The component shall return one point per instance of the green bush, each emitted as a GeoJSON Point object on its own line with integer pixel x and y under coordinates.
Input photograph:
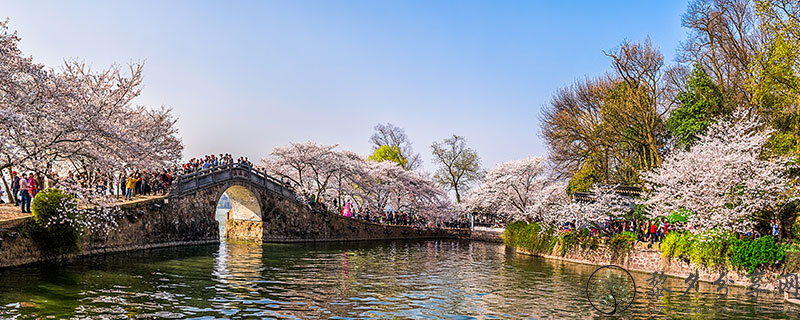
{"type": "Point", "coordinates": [796, 228]}
{"type": "Point", "coordinates": [750, 254]}
{"type": "Point", "coordinates": [622, 242]}
{"type": "Point", "coordinates": [568, 240]}
{"type": "Point", "coordinates": [534, 237]}
{"type": "Point", "coordinates": [669, 244]}
{"type": "Point", "coordinates": [710, 250]}
{"type": "Point", "coordinates": [590, 243]}
{"type": "Point", "coordinates": [723, 249]}
{"type": "Point", "coordinates": [54, 229]}
{"type": "Point", "coordinates": [684, 245]}
{"type": "Point", "coordinates": [792, 247]}
{"type": "Point", "coordinates": [680, 215]}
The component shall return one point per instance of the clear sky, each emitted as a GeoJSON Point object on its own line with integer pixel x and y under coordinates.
{"type": "Point", "coordinates": [244, 77]}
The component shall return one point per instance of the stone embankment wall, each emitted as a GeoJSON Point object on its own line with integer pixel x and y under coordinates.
{"type": "Point", "coordinates": [189, 220]}
{"type": "Point", "coordinates": [143, 225]}
{"type": "Point", "coordinates": [648, 260]}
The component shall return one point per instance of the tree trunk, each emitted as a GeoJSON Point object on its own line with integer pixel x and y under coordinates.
{"type": "Point", "coordinates": [11, 197]}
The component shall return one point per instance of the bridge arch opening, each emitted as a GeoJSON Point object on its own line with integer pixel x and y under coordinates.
{"type": "Point", "coordinates": [237, 203]}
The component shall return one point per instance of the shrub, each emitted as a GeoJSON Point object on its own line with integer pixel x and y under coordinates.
{"type": "Point", "coordinates": [54, 229]}
{"type": "Point", "coordinates": [710, 249]}
{"type": "Point", "coordinates": [718, 249]}
{"type": "Point", "coordinates": [533, 237]}
{"type": "Point", "coordinates": [669, 244]}
{"type": "Point", "coordinates": [568, 240]}
{"type": "Point", "coordinates": [590, 243]}
{"type": "Point", "coordinates": [750, 254]}
{"type": "Point", "coordinates": [796, 228]}
{"type": "Point", "coordinates": [622, 242]}
{"type": "Point", "coordinates": [680, 215]}
{"type": "Point", "coordinates": [793, 247]}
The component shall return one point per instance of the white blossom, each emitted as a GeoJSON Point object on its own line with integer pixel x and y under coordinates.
{"type": "Point", "coordinates": [316, 169]}
{"type": "Point", "coordinates": [724, 179]}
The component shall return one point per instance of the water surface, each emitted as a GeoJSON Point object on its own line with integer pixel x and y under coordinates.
{"type": "Point", "coordinates": [382, 280]}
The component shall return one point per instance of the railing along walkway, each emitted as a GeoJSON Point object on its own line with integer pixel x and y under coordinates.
{"type": "Point", "coordinates": [192, 182]}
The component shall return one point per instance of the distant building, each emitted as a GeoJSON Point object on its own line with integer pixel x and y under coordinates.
{"type": "Point", "coordinates": [629, 193]}
{"type": "Point", "coordinates": [224, 202]}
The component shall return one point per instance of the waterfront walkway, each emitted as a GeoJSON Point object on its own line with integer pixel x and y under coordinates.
{"type": "Point", "coordinates": [9, 212]}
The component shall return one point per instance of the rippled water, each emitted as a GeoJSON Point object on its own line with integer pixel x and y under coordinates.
{"type": "Point", "coordinates": [385, 280]}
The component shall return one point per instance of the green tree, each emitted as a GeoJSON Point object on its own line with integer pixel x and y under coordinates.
{"type": "Point", "coordinates": [459, 165]}
{"type": "Point", "coordinates": [587, 176]}
{"type": "Point", "coordinates": [776, 73]}
{"type": "Point", "coordinates": [699, 103]}
{"type": "Point", "coordinates": [389, 153]}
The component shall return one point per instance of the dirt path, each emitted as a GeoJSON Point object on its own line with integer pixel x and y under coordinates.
{"type": "Point", "coordinates": [10, 212]}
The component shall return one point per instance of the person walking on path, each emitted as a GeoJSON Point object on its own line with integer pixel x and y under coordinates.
{"type": "Point", "coordinates": [14, 188]}
{"type": "Point", "coordinates": [130, 186]}
{"type": "Point", "coordinates": [33, 185]}
{"type": "Point", "coordinates": [24, 194]}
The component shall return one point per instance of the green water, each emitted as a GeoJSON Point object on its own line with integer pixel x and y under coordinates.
{"type": "Point", "coordinates": [385, 280]}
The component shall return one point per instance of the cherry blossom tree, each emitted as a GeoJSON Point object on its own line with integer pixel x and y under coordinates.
{"type": "Point", "coordinates": [316, 169]}
{"type": "Point", "coordinates": [604, 203]}
{"type": "Point", "coordinates": [724, 180]}
{"type": "Point", "coordinates": [308, 166]}
{"type": "Point", "coordinates": [513, 190]}
{"type": "Point", "coordinates": [527, 189]}
{"type": "Point", "coordinates": [78, 119]}
{"type": "Point", "coordinates": [84, 118]}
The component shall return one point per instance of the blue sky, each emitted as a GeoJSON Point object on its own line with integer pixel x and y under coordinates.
{"type": "Point", "coordinates": [244, 77]}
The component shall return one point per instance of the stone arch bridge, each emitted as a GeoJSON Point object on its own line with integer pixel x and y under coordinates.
{"type": "Point", "coordinates": [264, 210]}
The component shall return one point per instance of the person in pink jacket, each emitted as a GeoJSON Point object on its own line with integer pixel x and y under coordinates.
{"type": "Point", "coordinates": [34, 185]}
{"type": "Point", "coordinates": [347, 209]}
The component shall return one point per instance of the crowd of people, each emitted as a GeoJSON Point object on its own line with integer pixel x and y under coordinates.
{"type": "Point", "coordinates": [209, 161]}
{"type": "Point", "coordinates": [127, 185]}
{"type": "Point", "coordinates": [24, 188]}
{"type": "Point", "coordinates": [649, 231]}
{"type": "Point", "coordinates": [159, 182]}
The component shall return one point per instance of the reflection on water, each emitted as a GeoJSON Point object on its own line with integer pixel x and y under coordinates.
{"type": "Point", "coordinates": [220, 215]}
{"type": "Point", "coordinates": [387, 280]}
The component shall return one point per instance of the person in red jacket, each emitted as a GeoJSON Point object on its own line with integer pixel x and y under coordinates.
{"type": "Point", "coordinates": [653, 231]}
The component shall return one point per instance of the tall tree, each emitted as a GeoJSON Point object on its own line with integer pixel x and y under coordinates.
{"type": "Point", "coordinates": [77, 117]}
{"type": "Point", "coordinates": [395, 137]}
{"type": "Point", "coordinates": [572, 126]}
{"type": "Point", "coordinates": [635, 108]}
{"type": "Point", "coordinates": [459, 165]}
{"type": "Point", "coordinates": [776, 73]}
{"type": "Point", "coordinates": [389, 153]}
{"type": "Point", "coordinates": [699, 103]}
{"type": "Point", "coordinates": [606, 130]}
{"type": "Point", "coordinates": [723, 38]}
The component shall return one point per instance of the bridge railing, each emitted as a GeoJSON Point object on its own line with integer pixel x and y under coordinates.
{"type": "Point", "coordinates": [219, 174]}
